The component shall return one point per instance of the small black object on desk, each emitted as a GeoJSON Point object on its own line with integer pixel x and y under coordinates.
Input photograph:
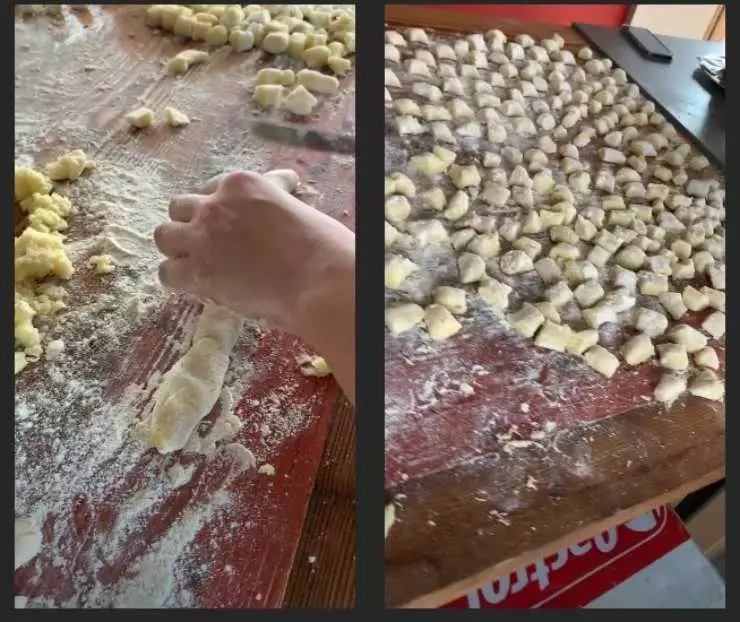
{"type": "Point", "coordinates": [679, 88]}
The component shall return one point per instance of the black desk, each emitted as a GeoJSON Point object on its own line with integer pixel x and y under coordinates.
{"type": "Point", "coordinates": [685, 96]}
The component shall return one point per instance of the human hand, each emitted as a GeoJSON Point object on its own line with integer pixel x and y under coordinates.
{"type": "Point", "coordinates": [250, 246]}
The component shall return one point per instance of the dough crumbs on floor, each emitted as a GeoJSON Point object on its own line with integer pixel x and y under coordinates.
{"type": "Point", "coordinates": [524, 407]}
{"type": "Point", "coordinates": [431, 523]}
{"type": "Point", "coordinates": [500, 517]}
{"type": "Point", "coordinates": [312, 559]}
{"type": "Point", "coordinates": [266, 469]}
{"type": "Point", "coordinates": [466, 389]}
{"type": "Point", "coordinates": [531, 483]}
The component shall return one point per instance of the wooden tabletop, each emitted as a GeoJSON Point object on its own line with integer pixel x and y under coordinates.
{"type": "Point", "coordinates": [460, 526]}
{"type": "Point", "coordinates": [88, 72]}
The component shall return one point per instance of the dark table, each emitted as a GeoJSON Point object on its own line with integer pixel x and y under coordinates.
{"type": "Point", "coordinates": [686, 96]}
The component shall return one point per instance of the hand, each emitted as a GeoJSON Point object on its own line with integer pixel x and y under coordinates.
{"type": "Point", "coordinates": [250, 246]}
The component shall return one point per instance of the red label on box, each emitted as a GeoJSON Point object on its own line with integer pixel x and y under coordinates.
{"type": "Point", "coordinates": [575, 576]}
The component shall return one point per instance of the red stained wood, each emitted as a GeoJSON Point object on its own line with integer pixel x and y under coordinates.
{"type": "Point", "coordinates": [465, 513]}
{"type": "Point", "coordinates": [262, 548]}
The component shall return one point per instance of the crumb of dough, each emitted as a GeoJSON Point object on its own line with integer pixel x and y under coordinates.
{"type": "Point", "coordinates": [266, 469]}
{"type": "Point", "coordinates": [103, 264]}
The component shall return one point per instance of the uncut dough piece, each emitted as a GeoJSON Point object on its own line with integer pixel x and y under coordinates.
{"type": "Point", "coordinates": [403, 317]}
{"type": "Point", "coordinates": [601, 360]}
{"type": "Point", "coordinates": [440, 322]}
{"type": "Point", "coordinates": [190, 389]}
{"type": "Point", "coordinates": [28, 540]}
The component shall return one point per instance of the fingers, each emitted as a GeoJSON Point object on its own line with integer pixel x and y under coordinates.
{"type": "Point", "coordinates": [173, 239]}
{"type": "Point", "coordinates": [212, 184]}
{"type": "Point", "coordinates": [175, 274]}
{"type": "Point", "coordinates": [183, 208]}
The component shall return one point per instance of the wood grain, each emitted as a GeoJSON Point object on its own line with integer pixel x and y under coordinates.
{"type": "Point", "coordinates": [466, 513]}
{"type": "Point", "coordinates": [323, 574]}
{"type": "Point", "coordinates": [126, 62]}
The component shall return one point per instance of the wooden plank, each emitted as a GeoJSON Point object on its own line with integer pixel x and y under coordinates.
{"type": "Point", "coordinates": [468, 510]}
{"type": "Point", "coordinates": [323, 575]}
{"type": "Point", "coordinates": [126, 61]}
{"type": "Point", "coordinates": [707, 526]}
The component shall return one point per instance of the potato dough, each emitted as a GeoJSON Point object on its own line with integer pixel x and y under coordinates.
{"type": "Point", "coordinates": [440, 323]}
{"type": "Point", "coordinates": [403, 317]}
{"type": "Point", "coordinates": [601, 360]}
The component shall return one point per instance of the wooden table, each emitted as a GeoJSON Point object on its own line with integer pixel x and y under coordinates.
{"type": "Point", "coordinates": [110, 63]}
{"type": "Point", "coordinates": [460, 526]}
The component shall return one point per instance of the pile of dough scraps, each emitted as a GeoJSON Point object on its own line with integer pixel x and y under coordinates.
{"type": "Point", "coordinates": [40, 252]}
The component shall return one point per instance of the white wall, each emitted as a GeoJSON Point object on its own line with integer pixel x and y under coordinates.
{"type": "Point", "coordinates": [677, 20]}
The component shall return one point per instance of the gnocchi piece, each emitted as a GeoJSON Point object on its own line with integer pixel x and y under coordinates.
{"type": "Point", "coordinates": [418, 35]}
{"type": "Point", "coordinates": [428, 232]}
{"type": "Point", "coordinates": [139, 118]}
{"type": "Point", "coordinates": [397, 270]}
{"type": "Point", "coordinates": [638, 350]}
{"type": "Point", "coordinates": [673, 303]}
{"type": "Point", "coordinates": [694, 299]}
{"type": "Point", "coordinates": [714, 324]}
{"type": "Point", "coordinates": [607, 154]}
{"type": "Point", "coordinates": [301, 102]}
{"type": "Point", "coordinates": [706, 384]}
{"type": "Point", "coordinates": [428, 163]}
{"type": "Point", "coordinates": [392, 53]}
{"type": "Point", "coordinates": [550, 273]}
{"type": "Point", "coordinates": [494, 293]}
{"type": "Point", "coordinates": [495, 194]}
{"type": "Point", "coordinates": [673, 356]}
{"type": "Point", "coordinates": [527, 320]}
{"type": "Point", "coordinates": [578, 271]}
{"type": "Point", "coordinates": [670, 387]}
{"type": "Point", "coordinates": [391, 79]}
{"type": "Point", "coordinates": [487, 245]}
{"type": "Point", "coordinates": [276, 42]}
{"type": "Point", "coordinates": [472, 267]}
{"type": "Point", "coordinates": [392, 235]}
{"type": "Point", "coordinates": [630, 257]}
{"type": "Point", "coordinates": [318, 82]}
{"type": "Point", "coordinates": [425, 90]}
{"type": "Point", "coordinates": [415, 67]}
{"type": "Point", "coordinates": [650, 322]}
{"type": "Point", "coordinates": [580, 341]}
{"type": "Point", "coordinates": [553, 336]}
{"type": "Point", "coordinates": [175, 118]}
{"type": "Point", "coordinates": [403, 317]}
{"type": "Point", "coordinates": [460, 238]}
{"type": "Point", "coordinates": [241, 40]}
{"type": "Point", "coordinates": [651, 284]}
{"type": "Point", "coordinates": [717, 276]}
{"type": "Point", "coordinates": [457, 206]}
{"type": "Point", "coordinates": [440, 322]}
{"type": "Point", "coordinates": [453, 298]}
{"type": "Point", "coordinates": [601, 360]}
{"type": "Point", "coordinates": [269, 95]}
{"type": "Point", "coordinates": [528, 245]}
{"type": "Point", "coordinates": [397, 208]}
{"type": "Point", "coordinates": [588, 293]}
{"type": "Point", "coordinates": [217, 35]}
{"type": "Point", "coordinates": [532, 223]}
{"type": "Point", "coordinates": [706, 357]}
{"type": "Point", "coordinates": [512, 108]}
{"type": "Point", "coordinates": [688, 337]}
{"type": "Point", "coordinates": [559, 294]}
{"type": "Point", "coordinates": [515, 262]}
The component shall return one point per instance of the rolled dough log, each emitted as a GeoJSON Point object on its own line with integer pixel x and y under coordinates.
{"type": "Point", "coordinates": [190, 389]}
